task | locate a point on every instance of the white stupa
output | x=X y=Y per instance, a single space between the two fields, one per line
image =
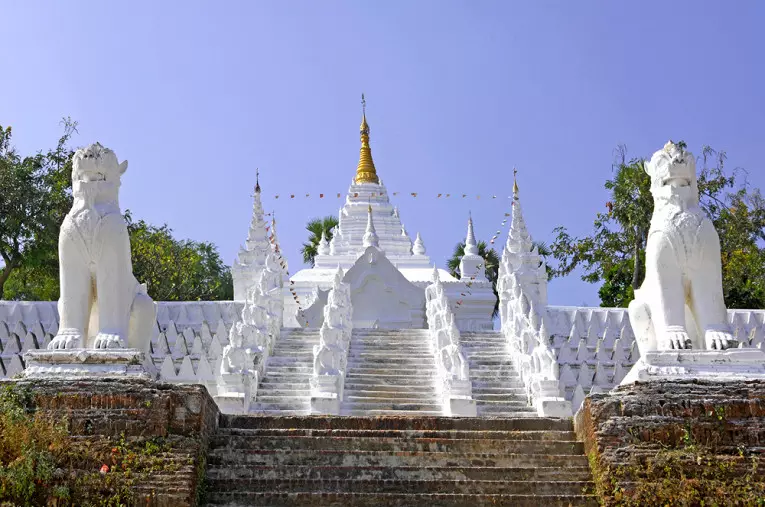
x=387 y=272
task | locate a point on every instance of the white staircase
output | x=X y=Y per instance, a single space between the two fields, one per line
x=497 y=386
x=285 y=388
x=390 y=372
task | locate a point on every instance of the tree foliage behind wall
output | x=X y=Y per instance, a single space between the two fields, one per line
x=614 y=254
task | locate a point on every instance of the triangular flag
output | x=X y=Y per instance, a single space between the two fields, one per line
x=338 y=195
x=276 y=196
x=321 y=196
x=292 y=196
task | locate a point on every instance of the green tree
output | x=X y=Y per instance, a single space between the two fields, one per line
x=615 y=253
x=315 y=227
x=177 y=270
x=35 y=194
x=490 y=265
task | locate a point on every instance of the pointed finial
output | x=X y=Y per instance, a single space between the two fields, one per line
x=257 y=180
x=365 y=170
x=515 y=181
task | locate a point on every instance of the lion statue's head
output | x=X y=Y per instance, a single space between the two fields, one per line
x=673 y=177
x=95 y=171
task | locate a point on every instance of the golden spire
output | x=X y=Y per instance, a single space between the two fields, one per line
x=365 y=171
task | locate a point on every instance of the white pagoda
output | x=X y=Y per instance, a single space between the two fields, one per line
x=386 y=270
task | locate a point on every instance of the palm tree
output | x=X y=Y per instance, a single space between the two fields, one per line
x=315 y=227
x=491 y=266
x=544 y=252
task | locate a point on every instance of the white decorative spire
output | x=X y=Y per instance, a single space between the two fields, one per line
x=471 y=264
x=323 y=247
x=471 y=247
x=419 y=246
x=370 y=236
x=520 y=256
x=251 y=257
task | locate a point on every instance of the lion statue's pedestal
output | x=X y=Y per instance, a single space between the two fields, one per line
x=678 y=314
x=106 y=315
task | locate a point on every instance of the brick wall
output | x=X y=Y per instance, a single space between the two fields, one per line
x=100 y=412
x=677 y=443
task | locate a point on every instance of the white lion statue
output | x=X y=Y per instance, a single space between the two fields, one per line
x=680 y=304
x=101 y=305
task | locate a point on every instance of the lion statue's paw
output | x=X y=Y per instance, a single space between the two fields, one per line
x=719 y=340
x=67 y=339
x=107 y=341
x=676 y=339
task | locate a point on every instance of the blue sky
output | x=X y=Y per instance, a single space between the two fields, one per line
x=196 y=95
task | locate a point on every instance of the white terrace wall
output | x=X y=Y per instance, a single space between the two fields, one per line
x=595 y=347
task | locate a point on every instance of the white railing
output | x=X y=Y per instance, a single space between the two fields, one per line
x=523 y=325
x=453 y=380
x=331 y=354
x=251 y=341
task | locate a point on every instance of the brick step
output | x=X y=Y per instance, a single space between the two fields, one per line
x=530 y=413
x=513 y=435
x=490 y=446
x=426 y=486
x=278 y=499
x=285 y=368
x=406 y=473
x=324 y=422
x=242 y=459
x=270 y=397
x=510 y=402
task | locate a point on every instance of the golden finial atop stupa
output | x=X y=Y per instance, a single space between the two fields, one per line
x=365 y=171
x=515 y=181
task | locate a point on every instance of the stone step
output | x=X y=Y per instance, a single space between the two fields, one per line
x=323 y=422
x=327 y=499
x=499 y=389
x=498 y=383
x=217 y=471
x=356 y=397
x=399 y=405
x=285 y=368
x=389 y=444
x=373 y=390
x=359 y=371
x=243 y=463
x=259 y=406
x=500 y=398
x=429 y=486
x=244 y=458
x=350 y=411
x=513 y=435
x=386 y=355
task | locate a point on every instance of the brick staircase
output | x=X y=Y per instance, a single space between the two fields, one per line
x=396 y=461
x=497 y=387
x=390 y=372
x=285 y=388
